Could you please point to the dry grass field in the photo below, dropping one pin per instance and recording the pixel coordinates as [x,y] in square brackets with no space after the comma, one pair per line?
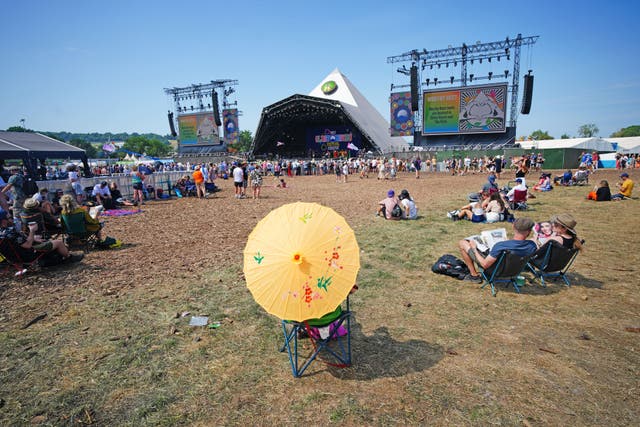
[113,348]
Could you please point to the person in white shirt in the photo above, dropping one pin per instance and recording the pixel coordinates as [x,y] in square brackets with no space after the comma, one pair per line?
[409,209]
[103,195]
[519,187]
[238,179]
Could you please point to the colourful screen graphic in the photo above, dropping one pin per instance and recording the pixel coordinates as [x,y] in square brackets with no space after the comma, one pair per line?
[198,128]
[230,123]
[477,109]
[401,114]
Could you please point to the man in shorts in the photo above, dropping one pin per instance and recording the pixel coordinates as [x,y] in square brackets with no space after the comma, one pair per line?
[238,180]
[519,245]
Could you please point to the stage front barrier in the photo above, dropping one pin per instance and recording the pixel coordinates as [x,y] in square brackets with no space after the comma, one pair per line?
[164,180]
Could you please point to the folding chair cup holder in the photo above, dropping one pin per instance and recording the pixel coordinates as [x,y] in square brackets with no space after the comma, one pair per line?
[323,338]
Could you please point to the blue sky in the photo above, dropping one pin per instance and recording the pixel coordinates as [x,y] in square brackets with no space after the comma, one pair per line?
[101,66]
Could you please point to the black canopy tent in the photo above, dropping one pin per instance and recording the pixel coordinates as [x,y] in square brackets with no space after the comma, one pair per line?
[32,147]
[287,120]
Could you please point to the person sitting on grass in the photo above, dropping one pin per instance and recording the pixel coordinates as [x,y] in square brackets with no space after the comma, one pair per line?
[601,192]
[28,247]
[386,206]
[474,211]
[564,179]
[495,209]
[118,200]
[409,209]
[544,184]
[624,188]
[519,245]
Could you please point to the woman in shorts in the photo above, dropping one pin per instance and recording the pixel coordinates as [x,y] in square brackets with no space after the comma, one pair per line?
[137,179]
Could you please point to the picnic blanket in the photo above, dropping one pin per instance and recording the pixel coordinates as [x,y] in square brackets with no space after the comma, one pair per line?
[120,212]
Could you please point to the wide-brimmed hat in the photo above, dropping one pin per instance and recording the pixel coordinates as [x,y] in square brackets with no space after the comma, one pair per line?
[31,204]
[404,194]
[565,220]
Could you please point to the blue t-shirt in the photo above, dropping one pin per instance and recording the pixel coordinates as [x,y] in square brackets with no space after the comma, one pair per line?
[516,247]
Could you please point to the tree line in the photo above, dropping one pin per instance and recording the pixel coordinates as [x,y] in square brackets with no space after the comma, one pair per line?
[585,131]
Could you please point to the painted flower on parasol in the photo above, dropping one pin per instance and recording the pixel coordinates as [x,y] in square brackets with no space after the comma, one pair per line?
[301,261]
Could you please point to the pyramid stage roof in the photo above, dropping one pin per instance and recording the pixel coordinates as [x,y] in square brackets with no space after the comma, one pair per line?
[284,126]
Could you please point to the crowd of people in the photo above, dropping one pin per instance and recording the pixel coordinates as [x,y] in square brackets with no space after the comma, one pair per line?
[32,223]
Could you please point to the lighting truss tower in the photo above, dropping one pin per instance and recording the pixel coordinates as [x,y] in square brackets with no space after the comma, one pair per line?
[198,93]
[465,54]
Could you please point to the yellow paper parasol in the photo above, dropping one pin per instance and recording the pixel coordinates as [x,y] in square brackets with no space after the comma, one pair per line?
[301,261]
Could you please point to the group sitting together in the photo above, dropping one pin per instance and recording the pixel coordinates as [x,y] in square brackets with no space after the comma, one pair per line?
[560,228]
[396,208]
[31,225]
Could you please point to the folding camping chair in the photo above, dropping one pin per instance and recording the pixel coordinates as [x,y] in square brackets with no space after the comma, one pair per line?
[506,269]
[327,337]
[519,202]
[18,257]
[77,233]
[552,260]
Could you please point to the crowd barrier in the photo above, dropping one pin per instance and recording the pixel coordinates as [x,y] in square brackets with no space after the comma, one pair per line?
[164,180]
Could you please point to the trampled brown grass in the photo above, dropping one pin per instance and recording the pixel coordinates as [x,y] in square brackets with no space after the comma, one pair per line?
[427,349]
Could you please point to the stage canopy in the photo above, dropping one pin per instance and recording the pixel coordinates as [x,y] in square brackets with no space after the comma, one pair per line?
[31,147]
[335,116]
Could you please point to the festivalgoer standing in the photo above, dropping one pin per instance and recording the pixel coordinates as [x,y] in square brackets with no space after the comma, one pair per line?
[198,179]
[137,178]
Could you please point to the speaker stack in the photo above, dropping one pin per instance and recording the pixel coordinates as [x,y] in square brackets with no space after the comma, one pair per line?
[415,97]
[216,107]
[527,94]
[171,125]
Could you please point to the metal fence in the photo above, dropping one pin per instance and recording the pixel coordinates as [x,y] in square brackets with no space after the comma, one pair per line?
[164,180]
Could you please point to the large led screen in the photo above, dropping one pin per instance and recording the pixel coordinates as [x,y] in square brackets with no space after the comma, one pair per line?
[470,109]
[199,128]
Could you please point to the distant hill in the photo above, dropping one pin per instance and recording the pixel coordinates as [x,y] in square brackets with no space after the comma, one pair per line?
[96,137]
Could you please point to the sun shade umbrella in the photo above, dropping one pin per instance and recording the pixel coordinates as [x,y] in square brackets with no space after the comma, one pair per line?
[301,261]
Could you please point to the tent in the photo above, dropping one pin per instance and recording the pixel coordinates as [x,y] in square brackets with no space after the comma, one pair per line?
[586,144]
[333,115]
[629,144]
[31,147]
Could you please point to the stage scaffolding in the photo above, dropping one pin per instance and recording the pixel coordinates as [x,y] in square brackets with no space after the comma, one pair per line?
[464,55]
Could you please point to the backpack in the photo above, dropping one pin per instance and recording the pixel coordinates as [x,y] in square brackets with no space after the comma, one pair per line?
[396,212]
[29,186]
[451,266]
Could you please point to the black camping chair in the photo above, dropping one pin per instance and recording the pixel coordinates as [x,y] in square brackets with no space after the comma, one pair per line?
[20,258]
[552,260]
[506,269]
[326,337]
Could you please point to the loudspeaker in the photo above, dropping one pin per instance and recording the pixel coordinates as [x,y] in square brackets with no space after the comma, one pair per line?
[415,97]
[216,107]
[171,125]
[527,94]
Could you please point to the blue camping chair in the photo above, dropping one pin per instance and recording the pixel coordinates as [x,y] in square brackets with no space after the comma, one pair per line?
[324,338]
[552,260]
[506,269]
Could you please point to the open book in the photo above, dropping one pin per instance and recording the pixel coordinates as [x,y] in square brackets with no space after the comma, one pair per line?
[486,239]
[95,211]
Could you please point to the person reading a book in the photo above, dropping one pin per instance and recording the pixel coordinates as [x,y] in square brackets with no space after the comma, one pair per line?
[519,245]
[564,231]
[92,224]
